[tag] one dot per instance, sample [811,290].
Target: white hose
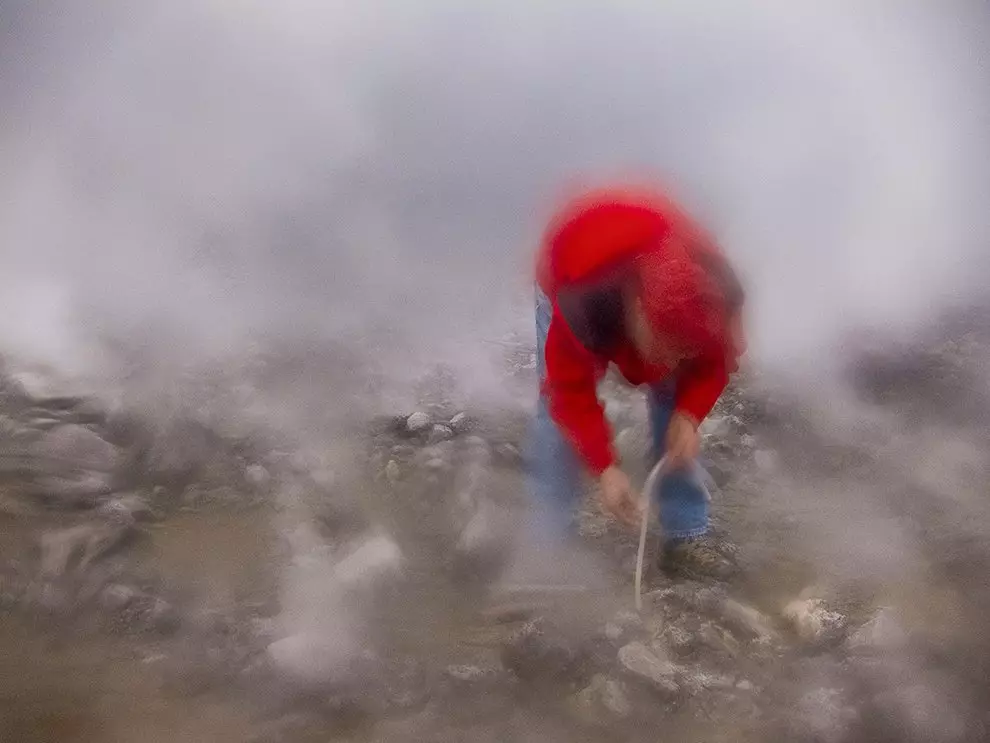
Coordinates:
[651,482]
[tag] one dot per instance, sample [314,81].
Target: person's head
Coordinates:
[685,301]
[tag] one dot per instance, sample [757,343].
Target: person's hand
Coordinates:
[683,440]
[618,497]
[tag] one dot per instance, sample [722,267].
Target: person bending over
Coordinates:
[625,277]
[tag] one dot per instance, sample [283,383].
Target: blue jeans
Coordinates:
[554,470]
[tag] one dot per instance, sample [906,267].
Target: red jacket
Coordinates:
[593,240]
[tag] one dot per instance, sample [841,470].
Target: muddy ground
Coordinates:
[203,576]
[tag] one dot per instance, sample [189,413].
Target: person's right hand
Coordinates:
[618,497]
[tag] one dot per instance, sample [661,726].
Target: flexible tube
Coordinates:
[651,483]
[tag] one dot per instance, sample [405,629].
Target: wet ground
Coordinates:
[888,517]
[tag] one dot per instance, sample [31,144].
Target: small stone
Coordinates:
[80,488]
[441,433]
[467,676]
[719,638]
[460,423]
[375,558]
[78,447]
[163,617]
[748,620]
[615,699]
[129,508]
[814,623]
[697,681]
[464,673]
[643,664]
[679,640]
[311,658]
[540,652]
[713,425]
[118,597]
[882,633]
[418,422]
[613,631]
[508,453]
[602,693]
[257,476]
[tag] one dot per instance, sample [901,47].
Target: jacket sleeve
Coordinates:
[571,390]
[700,386]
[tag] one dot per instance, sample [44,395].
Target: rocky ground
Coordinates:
[377,594]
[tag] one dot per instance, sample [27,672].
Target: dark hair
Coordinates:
[720,270]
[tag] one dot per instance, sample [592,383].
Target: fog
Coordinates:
[360,187]
[218,171]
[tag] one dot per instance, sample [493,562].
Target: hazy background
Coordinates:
[216,170]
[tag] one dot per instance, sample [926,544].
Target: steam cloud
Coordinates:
[218,170]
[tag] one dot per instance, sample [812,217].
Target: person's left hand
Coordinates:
[683,440]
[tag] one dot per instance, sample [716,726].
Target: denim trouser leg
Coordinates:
[683,503]
[554,471]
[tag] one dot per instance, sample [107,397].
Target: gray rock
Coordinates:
[128,508]
[643,664]
[77,547]
[602,694]
[418,422]
[679,640]
[460,423]
[539,651]
[720,639]
[440,432]
[373,558]
[883,633]
[508,453]
[813,622]
[257,476]
[748,620]
[312,659]
[615,699]
[76,489]
[117,597]
[79,448]
[696,681]
[473,678]
[163,617]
